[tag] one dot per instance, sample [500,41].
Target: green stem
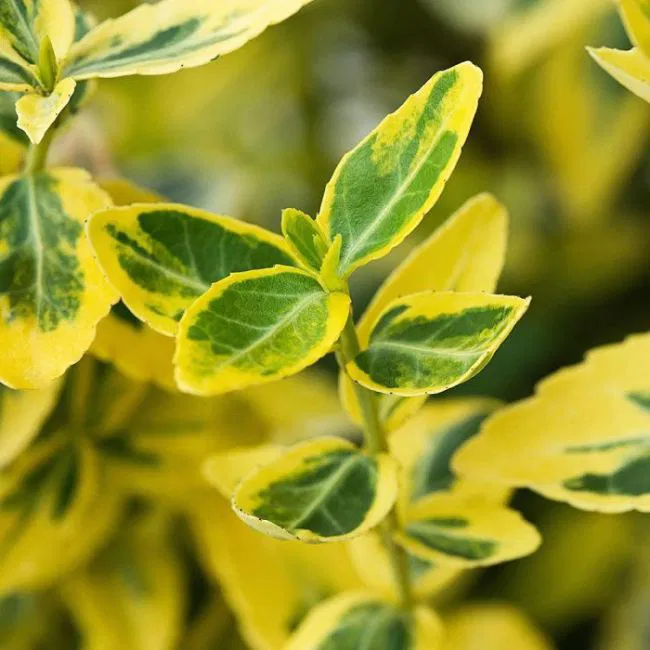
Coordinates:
[376,443]
[37,154]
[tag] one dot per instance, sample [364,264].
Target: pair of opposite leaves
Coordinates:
[48,46]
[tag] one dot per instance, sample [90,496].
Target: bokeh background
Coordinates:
[556,139]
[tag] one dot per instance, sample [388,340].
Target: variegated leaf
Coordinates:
[173,34]
[361,620]
[319,491]
[584,438]
[492,627]
[15,74]
[432,341]
[250,566]
[52,292]
[256,327]
[465,254]
[426,445]
[636,16]
[21,416]
[8,127]
[382,189]
[37,113]
[305,238]
[465,533]
[54,513]
[373,563]
[132,595]
[162,257]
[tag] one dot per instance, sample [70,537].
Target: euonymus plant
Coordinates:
[328,527]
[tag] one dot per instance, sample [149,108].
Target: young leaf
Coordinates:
[584,438]
[466,533]
[492,627]
[372,561]
[361,620]
[636,16]
[52,292]
[15,74]
[164,37]
[136,350]
[162,257]
[304,237]
[24,25]
[426,445]
[381,190]
[250,566]
[324,490]
[37,113]
[430,342]
[465,254]
[256,327]
[21,416]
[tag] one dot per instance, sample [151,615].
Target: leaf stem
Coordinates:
[37,154]
[376,443]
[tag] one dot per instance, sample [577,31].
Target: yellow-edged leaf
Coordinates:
[357,620]
[382,189]
[636,16]
[631,68]
[54,513]
[432,341]
[133,594]
[162,257]
[465,254]
[52,292]
[426,445]
[164,37]
[492,627]
[37,113]
[250,566]
[305,238]
[372,561]
[324,490]
[465,533]
[22,413]
[584,438]
[255,327]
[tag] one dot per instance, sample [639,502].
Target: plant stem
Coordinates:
[37,154]
[376,443]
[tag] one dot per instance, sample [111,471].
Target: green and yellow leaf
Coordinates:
[52,292]
[465,533]
[135,349]
[432,341]
[256,327]
[133,594]
[305,238]
[164,37]
[325,490]
[250,566]
[492,627]
[371,560]
[584,438]
[631,68]
[21,416]
[37,113]
[25,24]
[361,620]
[382,189]
[466,253]
[54,513]
[162,257]
[15,74]
[8,128]
[636,16]
[426,445]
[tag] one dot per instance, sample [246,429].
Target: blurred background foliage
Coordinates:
[556,139]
